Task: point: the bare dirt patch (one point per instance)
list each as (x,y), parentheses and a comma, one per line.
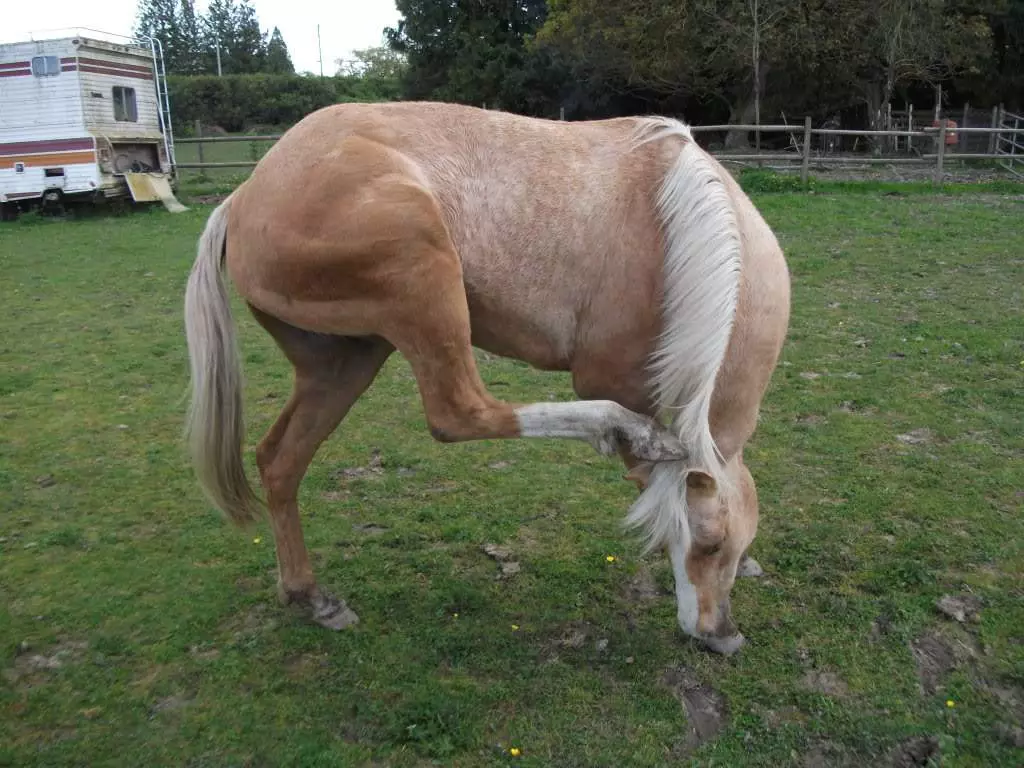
(574,636)
(789,715)
(508,566)
(303,665)
(369,529)
(918,751)
(374,469)
(961,608)
(919,436)
(935,659)
(707,711)
(810,419)
(849,406)
(641,588)
(247,626)
(826,682)
(207,199)
(31,666)
(167,704)
(828,754)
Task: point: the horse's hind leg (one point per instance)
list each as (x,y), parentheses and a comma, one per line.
(331,372)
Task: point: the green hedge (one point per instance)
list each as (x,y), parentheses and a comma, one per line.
(239,102)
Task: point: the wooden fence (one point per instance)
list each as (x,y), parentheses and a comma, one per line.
(1006,147)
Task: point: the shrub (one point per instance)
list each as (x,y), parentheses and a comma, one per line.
(764,180)
(238,102)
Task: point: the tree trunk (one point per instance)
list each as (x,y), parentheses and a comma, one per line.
(746,110)
(742,113)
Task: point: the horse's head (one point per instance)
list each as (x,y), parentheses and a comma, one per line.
(722,524)
(705,559)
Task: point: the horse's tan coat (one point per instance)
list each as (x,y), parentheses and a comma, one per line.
(428,228)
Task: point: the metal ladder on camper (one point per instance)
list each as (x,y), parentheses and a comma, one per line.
(163,99)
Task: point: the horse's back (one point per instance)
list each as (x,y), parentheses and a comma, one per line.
(553,222)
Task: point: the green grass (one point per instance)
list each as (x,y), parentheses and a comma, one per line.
(136,628)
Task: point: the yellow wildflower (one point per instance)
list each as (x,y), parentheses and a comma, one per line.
(610,558)
(515,752)
(257,540)
(950,703)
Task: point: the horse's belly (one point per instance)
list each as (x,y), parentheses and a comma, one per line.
(521,307)
(522,324)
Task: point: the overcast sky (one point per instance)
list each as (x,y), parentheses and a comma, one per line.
(344,24)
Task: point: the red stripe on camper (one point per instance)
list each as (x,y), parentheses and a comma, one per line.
(115,65)
(68,68)
(15,72)
(16,65)
(41,147)
(115,72)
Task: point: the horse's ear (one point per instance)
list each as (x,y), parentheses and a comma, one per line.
(701,482)
(640,474)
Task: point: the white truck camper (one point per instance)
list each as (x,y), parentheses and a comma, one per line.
(84,118)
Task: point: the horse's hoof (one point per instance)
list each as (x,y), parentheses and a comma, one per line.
(328,611)
(657,444)
(749,568)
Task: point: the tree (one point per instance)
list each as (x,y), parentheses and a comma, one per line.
(235,27)
(218,29)
(376,72)
(160,19)
(278,61)
(474,51)
(249,49)
(190,61)
(698,50)
(879,46)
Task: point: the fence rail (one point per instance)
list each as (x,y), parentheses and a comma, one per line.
(1006,146)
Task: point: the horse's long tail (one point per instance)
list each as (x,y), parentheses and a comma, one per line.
(701,291)
(215,429)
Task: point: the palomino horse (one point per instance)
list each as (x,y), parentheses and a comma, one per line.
(617,250)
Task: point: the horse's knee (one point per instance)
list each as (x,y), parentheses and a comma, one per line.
(459,422)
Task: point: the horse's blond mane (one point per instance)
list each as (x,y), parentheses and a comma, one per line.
(701,292)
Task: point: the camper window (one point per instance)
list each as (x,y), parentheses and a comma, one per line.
(125,110)
(44,66)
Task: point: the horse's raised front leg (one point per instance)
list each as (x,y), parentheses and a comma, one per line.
(433,333)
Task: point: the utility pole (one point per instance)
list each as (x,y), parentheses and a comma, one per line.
(320,48)
(217,45)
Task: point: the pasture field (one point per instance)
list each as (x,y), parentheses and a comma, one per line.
(138,628)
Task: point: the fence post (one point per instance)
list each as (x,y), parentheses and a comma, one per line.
(962,143)
(941,154)
(805,167)
(561,113)
(199,145)
(992,136)
(910,127)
